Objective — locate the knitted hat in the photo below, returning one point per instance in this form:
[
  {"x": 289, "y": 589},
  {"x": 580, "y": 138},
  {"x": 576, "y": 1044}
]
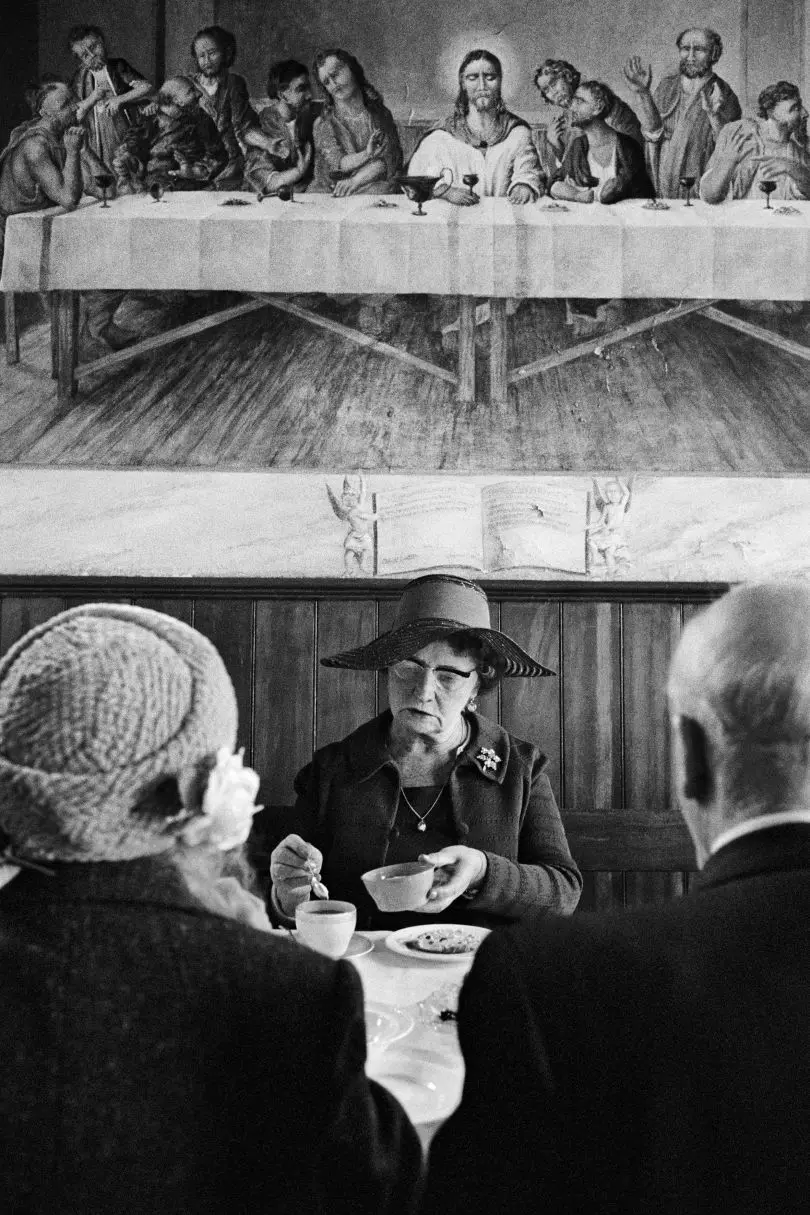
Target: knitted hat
[
  {"x": 98, "y": 707},
  {"x": 431, "y": 608}
]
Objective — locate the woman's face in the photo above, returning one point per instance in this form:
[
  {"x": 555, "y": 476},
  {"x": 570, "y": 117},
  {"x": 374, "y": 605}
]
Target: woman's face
[
  {"x": 429, "y": 691},
  {"x": 337, "y": 78},
  {"x": 209, "y": 56}
]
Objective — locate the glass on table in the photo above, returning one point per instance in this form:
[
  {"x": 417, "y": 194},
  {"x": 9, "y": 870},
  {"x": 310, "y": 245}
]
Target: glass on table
[
  {"x": 688, "y": 181},
  {"x": 470, "y": 181},
  {"x": 104, "y": 181},
  {"x": 767, "y": 187}
]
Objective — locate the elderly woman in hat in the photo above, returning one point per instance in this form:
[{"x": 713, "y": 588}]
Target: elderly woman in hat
[
  {"x": 150, "y": 1030},
  {"x": 432, "y": 778}
]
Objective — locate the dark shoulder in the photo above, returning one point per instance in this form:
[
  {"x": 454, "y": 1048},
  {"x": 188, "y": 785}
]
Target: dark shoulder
[{"x": 238, "y": 85}]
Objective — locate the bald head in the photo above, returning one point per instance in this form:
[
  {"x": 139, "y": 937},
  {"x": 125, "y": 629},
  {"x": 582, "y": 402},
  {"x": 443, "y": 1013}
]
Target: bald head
[{"x": 740, "y": 692}]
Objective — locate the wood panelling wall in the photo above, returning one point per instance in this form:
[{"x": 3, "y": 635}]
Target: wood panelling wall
[{"x": 602, "y": 722}]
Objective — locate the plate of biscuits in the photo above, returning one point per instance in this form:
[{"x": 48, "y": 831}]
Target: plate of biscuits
[{"x": 437, "y": 943}]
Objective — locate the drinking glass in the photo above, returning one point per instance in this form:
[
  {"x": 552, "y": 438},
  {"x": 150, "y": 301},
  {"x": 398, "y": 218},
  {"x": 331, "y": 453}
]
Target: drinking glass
[
  {"x": 767, "y": 187},
  {"x": 104, "y": 181},
  {"x": 470, "y": 181},
  {"x": 687, "y": 181}
]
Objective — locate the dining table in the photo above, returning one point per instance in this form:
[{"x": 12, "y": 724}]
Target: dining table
[
  {"x": 411, "y": 1027},
  {"x": 282, "y": 254}
]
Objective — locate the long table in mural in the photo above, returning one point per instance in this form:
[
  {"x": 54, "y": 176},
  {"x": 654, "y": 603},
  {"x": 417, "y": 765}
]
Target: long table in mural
[{"x": 691, "y": 257}]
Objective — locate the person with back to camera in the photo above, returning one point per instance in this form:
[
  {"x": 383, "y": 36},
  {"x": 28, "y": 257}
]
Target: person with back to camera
[
  {"x": 658, "y": 1060},
  {"x": 431, "y": 777},
  {"x": 162, "y": 1052}
]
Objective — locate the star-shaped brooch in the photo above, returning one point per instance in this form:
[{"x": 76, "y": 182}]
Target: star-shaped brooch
[{"x": 488, "y": 759}]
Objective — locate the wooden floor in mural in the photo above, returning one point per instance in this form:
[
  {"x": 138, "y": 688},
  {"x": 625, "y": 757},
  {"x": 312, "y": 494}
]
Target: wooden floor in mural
[{"x": 269, "y": 391}]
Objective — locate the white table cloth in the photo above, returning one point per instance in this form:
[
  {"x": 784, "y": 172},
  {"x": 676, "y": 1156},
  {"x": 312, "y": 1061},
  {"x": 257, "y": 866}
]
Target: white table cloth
[{"x": 321, "y": 244}]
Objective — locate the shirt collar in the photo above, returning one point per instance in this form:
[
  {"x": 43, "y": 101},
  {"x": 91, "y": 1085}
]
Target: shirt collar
[
  {"x": 762, "y": 822},
  {"x": 487, "y": 749}
]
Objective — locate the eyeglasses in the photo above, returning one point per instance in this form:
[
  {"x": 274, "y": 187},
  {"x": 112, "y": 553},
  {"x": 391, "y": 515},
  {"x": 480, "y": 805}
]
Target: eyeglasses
[{"x": 448, "y": 679}]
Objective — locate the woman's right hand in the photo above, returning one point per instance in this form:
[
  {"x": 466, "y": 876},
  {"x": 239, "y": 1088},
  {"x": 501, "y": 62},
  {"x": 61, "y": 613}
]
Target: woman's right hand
[{"x": 292, "y": 864}]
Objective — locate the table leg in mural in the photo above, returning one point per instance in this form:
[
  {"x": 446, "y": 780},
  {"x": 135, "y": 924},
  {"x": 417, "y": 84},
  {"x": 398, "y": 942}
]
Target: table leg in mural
[{"x": 67, "y": 324}]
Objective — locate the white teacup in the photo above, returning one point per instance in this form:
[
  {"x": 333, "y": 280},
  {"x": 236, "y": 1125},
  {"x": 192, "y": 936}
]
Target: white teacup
[{"x": 326, "y": 925}]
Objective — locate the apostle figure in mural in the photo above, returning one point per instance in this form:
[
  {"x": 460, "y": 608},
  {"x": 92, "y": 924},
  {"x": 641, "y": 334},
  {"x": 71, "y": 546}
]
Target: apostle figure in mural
[
  {"x": 483, "y": 140},
  {"x": 558, "y": 81},
  {"x": 223, "y": 95},
  {"x": 599, "y": 164},
  {"x": 683, "y": 118},
  {"x": 179, "y": 146},
  {"x": 287, "y": 122},
  {"x": 47, "y": 163},
  {"x": 357, "y": 148},
  {"x": 770, "y": 147},
  {"x": 107, "y": 88}
]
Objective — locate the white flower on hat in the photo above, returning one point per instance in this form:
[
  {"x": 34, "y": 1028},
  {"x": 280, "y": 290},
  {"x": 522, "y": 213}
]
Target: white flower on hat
[{"x": 228, "y": 803}]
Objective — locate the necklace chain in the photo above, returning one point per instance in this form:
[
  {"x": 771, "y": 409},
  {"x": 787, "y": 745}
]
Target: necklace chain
[{"x": 432, "y": 806}]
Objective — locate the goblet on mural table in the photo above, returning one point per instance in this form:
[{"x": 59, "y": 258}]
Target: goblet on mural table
[
  {"x": 767, "y": 187},
  {"x": 471, "y": 181},
  {"x": 688, "y": 181},
  {"x": 104, "y": 181},
  {"x": 420, "y": 187}
]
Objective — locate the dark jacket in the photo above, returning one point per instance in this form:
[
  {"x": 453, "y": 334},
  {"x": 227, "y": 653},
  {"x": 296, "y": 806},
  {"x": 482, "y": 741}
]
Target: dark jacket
[
  {"x": 631, "y": 180},
  {"x": 159, "y": 1058},
  {"x": 347, "y": 806},
  {"x": 653, "y": 1062},
  {"x": 149, "y": 152}
]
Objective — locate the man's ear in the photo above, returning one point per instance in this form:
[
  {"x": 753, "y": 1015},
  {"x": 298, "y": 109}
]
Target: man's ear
[{"x": 698, "y": 779}]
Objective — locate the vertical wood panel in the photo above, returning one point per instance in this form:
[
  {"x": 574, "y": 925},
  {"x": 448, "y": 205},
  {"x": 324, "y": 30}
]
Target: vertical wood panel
[
  {"x": 228, "y": 623},
  {"x": 19, "y": 613},
  {"x": 602, "y": 892},
  {"x": 386, "y": 611},
  {"x": 531, "y": 707},
  {"x": 650, "y": 889},
  {"x": 283, "y": 736},
  {"x": 591, "y": 705},
  {"x": 179, "y": 609},
  {"x": 650, "y": 635},
  {"x": 345, "y": 698}
]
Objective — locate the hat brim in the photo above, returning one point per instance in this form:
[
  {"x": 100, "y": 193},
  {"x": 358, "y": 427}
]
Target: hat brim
[{"x": 404, "y": 641}]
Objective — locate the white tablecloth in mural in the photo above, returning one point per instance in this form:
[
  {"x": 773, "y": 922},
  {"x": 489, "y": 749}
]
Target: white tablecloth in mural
[{"x": 321, "y": 244}]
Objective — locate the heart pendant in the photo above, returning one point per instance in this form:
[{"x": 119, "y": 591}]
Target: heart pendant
[{"x": 422, "y": 827}]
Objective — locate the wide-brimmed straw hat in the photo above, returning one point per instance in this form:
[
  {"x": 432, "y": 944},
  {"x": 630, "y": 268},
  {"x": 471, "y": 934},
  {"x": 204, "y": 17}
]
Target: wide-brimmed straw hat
[{"x": 431, "y": 608}]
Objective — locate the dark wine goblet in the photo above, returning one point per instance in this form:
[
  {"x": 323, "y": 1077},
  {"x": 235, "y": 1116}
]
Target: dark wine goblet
[
  {"x": 104, "y": 181},
  {"x": 767, "y": 187},
  {"x": 470, "y": 180},
  {"x": 687, "y": 181},
  {"x": 156, "y": 191}
]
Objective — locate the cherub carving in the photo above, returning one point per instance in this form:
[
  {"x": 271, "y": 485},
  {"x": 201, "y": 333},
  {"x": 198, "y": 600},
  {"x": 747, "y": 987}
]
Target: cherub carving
[
  {"x": 607, "y": 511},
  {"x": 352, "y": 508}
]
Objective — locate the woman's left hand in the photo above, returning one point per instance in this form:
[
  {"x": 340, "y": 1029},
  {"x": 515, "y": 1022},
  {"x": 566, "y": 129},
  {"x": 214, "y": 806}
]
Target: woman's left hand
[{"x": 457, "y": 868}]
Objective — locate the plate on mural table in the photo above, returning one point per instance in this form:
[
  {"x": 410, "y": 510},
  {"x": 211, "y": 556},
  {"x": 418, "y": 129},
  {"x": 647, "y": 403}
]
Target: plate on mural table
[
  {"x": 427, "y": 1084},
  {"x": 444, "y": 943},
  {"x": 385, "y": 1024}
]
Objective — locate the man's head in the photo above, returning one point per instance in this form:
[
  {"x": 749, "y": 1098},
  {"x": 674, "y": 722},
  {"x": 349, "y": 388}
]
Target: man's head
[
  {"x": 557, "y": 81},
  {"x": 591, "y": 101},
  {"x": 479, "y": 80},
  {"x": 214, "y": 50},
  {"x": 782, "y": 104},
  {"x": 87, "y": 44},
  {"x": 739, "y": 692},
  {"x": 288, "y": 81},
  {"x": 177, "y": 94},
  {"x": 56, "y": 104},
  {"x": 699, "y": 50}
]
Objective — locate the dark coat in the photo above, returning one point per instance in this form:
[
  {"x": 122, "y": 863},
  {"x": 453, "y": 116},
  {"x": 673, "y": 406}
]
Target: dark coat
[
  {"x": 648, "y": 1062},
  {"x": 347, "y": 807},
  {"x": 631, "y": 180},
  {"x": 159, "y": 1058}
]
